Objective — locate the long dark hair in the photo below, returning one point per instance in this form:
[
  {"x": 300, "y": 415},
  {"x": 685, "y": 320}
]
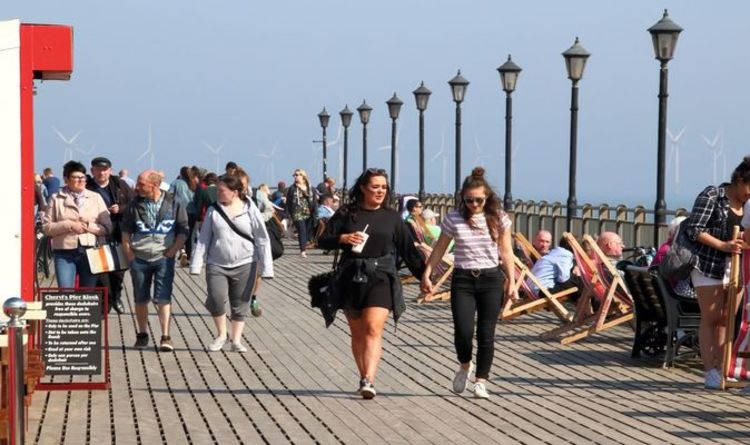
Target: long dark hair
[
  {"x": 492, "y": 210},
  {"x": 742, "y": 172},
  {"x": 357, "y": 196}
]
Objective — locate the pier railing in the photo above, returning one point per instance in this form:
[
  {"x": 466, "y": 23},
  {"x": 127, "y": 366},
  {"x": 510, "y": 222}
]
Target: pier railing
[{"x": 634, "y": 224}]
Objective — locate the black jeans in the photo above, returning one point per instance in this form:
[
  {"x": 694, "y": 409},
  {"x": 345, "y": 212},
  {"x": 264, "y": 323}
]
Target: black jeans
[
  {"x": 303, "y": 232},
  {"x": 480, "y": 292}
]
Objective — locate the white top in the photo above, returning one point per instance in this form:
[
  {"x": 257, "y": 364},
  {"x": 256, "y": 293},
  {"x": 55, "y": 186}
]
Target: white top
[{"x": 475, "y": 248}]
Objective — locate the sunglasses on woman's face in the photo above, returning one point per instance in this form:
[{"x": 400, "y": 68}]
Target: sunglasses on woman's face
[{"x": 471, "y": 201}]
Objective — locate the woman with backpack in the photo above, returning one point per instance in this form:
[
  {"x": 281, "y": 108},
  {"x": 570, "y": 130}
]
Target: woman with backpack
[
  {"x": 710, "y": 226},
  {"x": 234, "y": 244}
]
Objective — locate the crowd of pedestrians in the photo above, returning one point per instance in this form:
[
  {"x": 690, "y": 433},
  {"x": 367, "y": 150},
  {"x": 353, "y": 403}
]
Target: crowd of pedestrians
[{"x": 219, "y": 221}]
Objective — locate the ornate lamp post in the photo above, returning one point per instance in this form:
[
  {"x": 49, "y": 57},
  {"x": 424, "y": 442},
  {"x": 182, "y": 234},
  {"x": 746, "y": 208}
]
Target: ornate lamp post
[
  {"x": 509, "y": 72},
  {"x": 394, "y": 108},
  {"x": 664, "y": 35},
  {"x": 364, "y": 111},
  {"x": 323, "y": 116},
  {"x": 575, "y": 62},
  {"x": 421, "y": 96},
  {"x": 458, "y": 87},
  {"x": 346, "y": 120}
]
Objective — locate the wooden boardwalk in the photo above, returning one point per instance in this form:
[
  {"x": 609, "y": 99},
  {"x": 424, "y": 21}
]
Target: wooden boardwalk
[{"x": 297, "y": 384}]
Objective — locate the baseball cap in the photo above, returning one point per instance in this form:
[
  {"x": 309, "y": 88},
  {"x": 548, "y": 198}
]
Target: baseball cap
[{"x": 101, "y": 162}]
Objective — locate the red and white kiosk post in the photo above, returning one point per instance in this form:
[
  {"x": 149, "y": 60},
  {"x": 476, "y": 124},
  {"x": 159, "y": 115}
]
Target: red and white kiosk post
[{"x": 27, "y": 52}]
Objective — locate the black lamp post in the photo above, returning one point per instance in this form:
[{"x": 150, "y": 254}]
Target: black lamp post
[
  {"x": 346, "y": 120},
  {"x": 575, "y": 62},
  {"x": 323, "y": 116},
  {"x": 421, "y": 96},
  {"x": 364, "y": 111},
  {"x": 509, "y": 72},
  {"x": 458, "y": 87},
  {"x": 394, "y": 108},
  {"x": 664, "y": 35}
]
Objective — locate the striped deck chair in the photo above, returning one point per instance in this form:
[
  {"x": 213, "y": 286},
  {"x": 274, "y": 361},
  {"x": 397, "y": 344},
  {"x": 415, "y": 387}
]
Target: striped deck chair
[
  {"x": 529, "y": 301},
  {"x": 601, "y": 282},
  {"x": 443, "y": 271},
  {"x": 735, "y": 351},
  {"x": 529, "y": 251}
]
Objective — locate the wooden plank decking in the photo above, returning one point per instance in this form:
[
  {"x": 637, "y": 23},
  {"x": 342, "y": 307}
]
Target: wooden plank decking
[{"x": 297, "y": 384}]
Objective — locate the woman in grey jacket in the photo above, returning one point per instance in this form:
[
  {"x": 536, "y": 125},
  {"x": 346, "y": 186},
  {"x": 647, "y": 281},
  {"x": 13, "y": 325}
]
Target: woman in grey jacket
[{"x": 235, "y": 254}]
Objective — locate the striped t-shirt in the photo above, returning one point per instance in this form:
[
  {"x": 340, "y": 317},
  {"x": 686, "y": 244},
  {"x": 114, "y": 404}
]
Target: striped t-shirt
[{"x": 475, "y": 248}]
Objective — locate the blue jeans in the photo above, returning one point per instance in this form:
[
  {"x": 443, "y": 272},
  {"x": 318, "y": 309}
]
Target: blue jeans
[
  {"x": 68, "y": 263},
  {"x": 159, "y": 272}
]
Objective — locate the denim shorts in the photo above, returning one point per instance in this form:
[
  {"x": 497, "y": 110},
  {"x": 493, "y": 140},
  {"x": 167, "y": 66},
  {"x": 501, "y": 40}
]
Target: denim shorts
[{"x": 159, "y": 272}]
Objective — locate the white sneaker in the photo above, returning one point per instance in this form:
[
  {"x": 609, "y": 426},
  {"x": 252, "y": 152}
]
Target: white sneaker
[
  {"x": 238, "y": 347},
  {"x": 712, "y": 379},
  {"x": 462, "y": 376},
  {"x": 480, "y": 392},
  {"x": 217, "y": 344}
]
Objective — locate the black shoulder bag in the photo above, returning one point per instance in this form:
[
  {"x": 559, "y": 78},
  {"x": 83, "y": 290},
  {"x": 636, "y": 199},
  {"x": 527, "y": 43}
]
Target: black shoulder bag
[{"x": 319, "y": 284}]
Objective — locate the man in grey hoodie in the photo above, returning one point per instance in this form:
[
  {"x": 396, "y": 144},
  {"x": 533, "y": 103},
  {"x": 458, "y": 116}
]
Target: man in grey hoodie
[{"x": 154, "y": 229}]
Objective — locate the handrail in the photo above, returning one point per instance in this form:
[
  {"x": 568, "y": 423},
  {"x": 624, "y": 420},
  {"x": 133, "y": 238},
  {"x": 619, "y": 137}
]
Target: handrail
[{"x": 634, "y": 224}]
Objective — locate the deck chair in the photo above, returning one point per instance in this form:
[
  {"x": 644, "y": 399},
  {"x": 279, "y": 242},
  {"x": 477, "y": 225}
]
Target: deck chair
[
  {"x": 734, "y": 296},
  {"x": 443, "y": 271},
  {"x": 603, "y": 283},
  {"x": 529, "y": 301},
  {"x": 529, "y": 251}
]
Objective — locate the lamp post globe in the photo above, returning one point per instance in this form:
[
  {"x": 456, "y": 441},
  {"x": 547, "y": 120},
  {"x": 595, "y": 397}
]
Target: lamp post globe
[
  {"x": 664, "y": 35},
  {"x": 364, "y": 111},
  {"x": 324, "y": 117},
  {"x": 394, "y": 109},
  {"x": 509, "y": 72},
  {"x": 346, "y": 120},
  {"x": 458, "y": 89},
  {"x": 421, "y": 97},
  {"x": 575, "y": 63}
]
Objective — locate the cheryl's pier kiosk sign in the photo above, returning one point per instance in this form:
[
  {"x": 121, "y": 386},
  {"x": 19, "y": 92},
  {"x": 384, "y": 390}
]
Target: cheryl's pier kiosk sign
[{"x": 73, "y": 338}]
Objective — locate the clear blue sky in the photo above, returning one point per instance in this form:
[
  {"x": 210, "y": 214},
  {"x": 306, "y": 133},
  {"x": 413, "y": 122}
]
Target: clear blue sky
[{"x": 254, "y": 74}]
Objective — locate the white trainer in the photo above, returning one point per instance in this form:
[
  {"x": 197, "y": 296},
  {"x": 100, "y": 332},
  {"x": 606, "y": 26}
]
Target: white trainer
[
  {"x": 480, "y": 391},
  {"x": 462, "y": 376},
  {"x": 217, "y": 344}
]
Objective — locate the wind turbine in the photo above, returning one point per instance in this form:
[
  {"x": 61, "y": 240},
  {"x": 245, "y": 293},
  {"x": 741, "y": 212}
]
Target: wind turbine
[
  {"x": 716, "y": 150},
  {"x": 674, "y": 155},
  {"x": 269, "y": 161},
  {"x": 440, "y": 154},
  {"x": 216, "y": 151},
  {"x": 479, "y": 153},
  {"x": 69, "y": 143},
  {"x": 149, "y": 151}
]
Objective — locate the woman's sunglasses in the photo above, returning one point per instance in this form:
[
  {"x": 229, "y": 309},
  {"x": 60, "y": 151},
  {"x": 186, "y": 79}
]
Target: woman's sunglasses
[{"x": 477, "y": 201}]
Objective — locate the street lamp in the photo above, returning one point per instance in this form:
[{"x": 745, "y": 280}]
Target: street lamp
[
  {"x": 364, "y": 111},
  {"x": 509, "y": 72},
  {"x": 575, "y": 62},
  {"x": 323, "y": 116},
  {"x": 421, "y": 96},
  {"x": 458, "y": 87},
  {"x": 346, "y": 120},
  {"x": 664, "y": 35},
  {"x": 394, "y": 108}
]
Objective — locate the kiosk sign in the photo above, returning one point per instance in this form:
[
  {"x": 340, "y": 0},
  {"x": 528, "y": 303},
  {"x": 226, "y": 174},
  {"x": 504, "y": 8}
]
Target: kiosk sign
[{"x": 72, "y": 333}]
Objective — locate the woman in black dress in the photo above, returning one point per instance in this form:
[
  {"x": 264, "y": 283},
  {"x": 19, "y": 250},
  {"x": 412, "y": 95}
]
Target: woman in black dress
[{"x": 367, "y": 287}]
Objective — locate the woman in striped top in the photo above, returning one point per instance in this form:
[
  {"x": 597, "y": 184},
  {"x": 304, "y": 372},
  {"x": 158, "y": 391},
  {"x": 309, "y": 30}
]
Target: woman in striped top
[{"x": 481, "y": 231}]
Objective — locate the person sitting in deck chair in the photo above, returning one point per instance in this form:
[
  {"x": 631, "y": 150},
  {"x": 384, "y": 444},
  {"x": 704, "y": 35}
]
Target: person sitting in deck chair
[
  {"x": 555, "y": 270},
  {"x": 611, "y": 245},
  {"x": 543, "y": 241}
]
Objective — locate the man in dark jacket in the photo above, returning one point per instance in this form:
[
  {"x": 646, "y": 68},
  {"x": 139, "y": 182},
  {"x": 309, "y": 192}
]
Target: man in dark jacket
[{"x": 116, "y": 194}]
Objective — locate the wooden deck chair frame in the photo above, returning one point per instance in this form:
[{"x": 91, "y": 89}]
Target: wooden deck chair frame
[
  {"x": 532, "y": 302},
  {"x": 614, "y": 308},
  {"x": 444, "y": 269},
  {"x": 532, "y": 254},
  {"x": 734, "y": 295}
]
